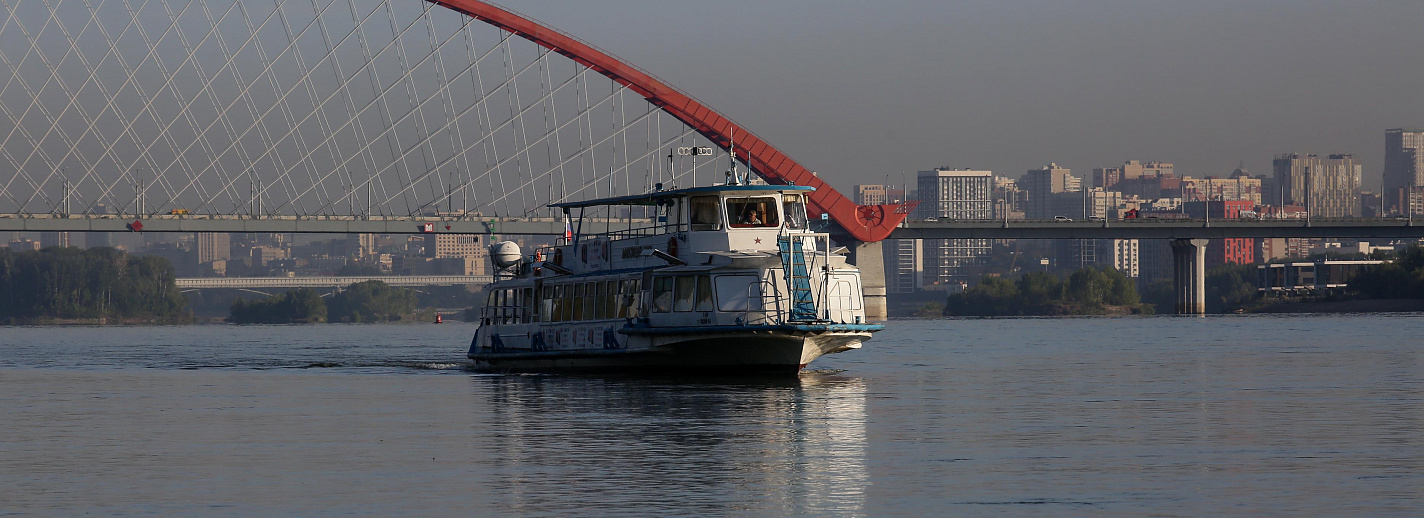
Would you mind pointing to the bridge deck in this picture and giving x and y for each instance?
(1388, 228)
(305, 224)
(328, 282)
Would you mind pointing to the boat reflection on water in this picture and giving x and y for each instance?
(665, 445)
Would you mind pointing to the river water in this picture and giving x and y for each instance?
(1236, 415)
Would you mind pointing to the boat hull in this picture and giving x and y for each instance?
(685, 350)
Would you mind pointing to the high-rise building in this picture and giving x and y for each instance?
(440, 246)
(214, 246)
(24, 245)
(1121, 254)
(1009, 199)
(903, 265)
(1404, 171)
(870, 195)
(52, 239)
(1239, 187)
(1109, 177)
(1403, 158)
(1093, 203)
(1042, 184)
(98, 239)
(1154, 261)
(365, 245)
(1073, 254)
(1327, 187)
(961, 194)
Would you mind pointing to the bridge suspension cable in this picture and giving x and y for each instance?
(354, 108)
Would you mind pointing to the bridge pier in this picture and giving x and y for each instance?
(871, 262)
(1189, 275)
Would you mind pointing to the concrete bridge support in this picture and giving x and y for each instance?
(1189, 275)
(871, 261)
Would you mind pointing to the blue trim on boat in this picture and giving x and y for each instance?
(803, 328)
(649, 198)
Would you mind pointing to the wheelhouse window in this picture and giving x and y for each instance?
(759, 212)
(703, 213)
(795, 208)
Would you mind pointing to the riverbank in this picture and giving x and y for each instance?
(100, 321)
(1343, 306)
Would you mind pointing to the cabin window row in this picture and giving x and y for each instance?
(595, 300)
(509, 305)
(684, 293)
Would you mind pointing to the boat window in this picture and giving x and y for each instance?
(662, 294)
(684, 292)
(590, 300)
(526, 311)
(795, 210)
(703, 213)
(546, 304)
(513, 302)
(560, 306)
(757, 212)
(498, 314)
(738, 293)
(577, 313)
(600, 293)
(610, 299)
(502, 300)
(633, 298)
(704, 293)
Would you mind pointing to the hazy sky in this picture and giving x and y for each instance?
(861, 91)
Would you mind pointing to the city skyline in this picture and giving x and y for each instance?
(1010, 86)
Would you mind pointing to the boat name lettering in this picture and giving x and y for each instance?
(633, 252)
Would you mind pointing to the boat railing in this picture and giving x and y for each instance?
(774, 304)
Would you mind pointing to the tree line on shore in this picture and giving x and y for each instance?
(1399, 279)
(1229, 287)
(63, 283)
(1086, 291)
(369, 301)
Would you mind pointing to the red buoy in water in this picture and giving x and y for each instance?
(437, 318)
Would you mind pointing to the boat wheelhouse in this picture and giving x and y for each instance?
(728, 278)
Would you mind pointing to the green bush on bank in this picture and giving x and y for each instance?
(369, 301)
(1401, 279)
(302, 306)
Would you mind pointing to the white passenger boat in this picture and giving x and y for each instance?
(727, 278)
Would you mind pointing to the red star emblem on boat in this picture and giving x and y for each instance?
(758, 241)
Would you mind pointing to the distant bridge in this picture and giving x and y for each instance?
(1350, 228)
(197, 283)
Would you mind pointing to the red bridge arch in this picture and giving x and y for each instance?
(865, 223)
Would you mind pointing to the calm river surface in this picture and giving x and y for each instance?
(1240, 415)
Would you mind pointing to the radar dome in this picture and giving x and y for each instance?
(505, 254)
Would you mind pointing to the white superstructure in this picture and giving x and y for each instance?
(729, 278)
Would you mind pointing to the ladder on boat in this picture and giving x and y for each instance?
(793, 262)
